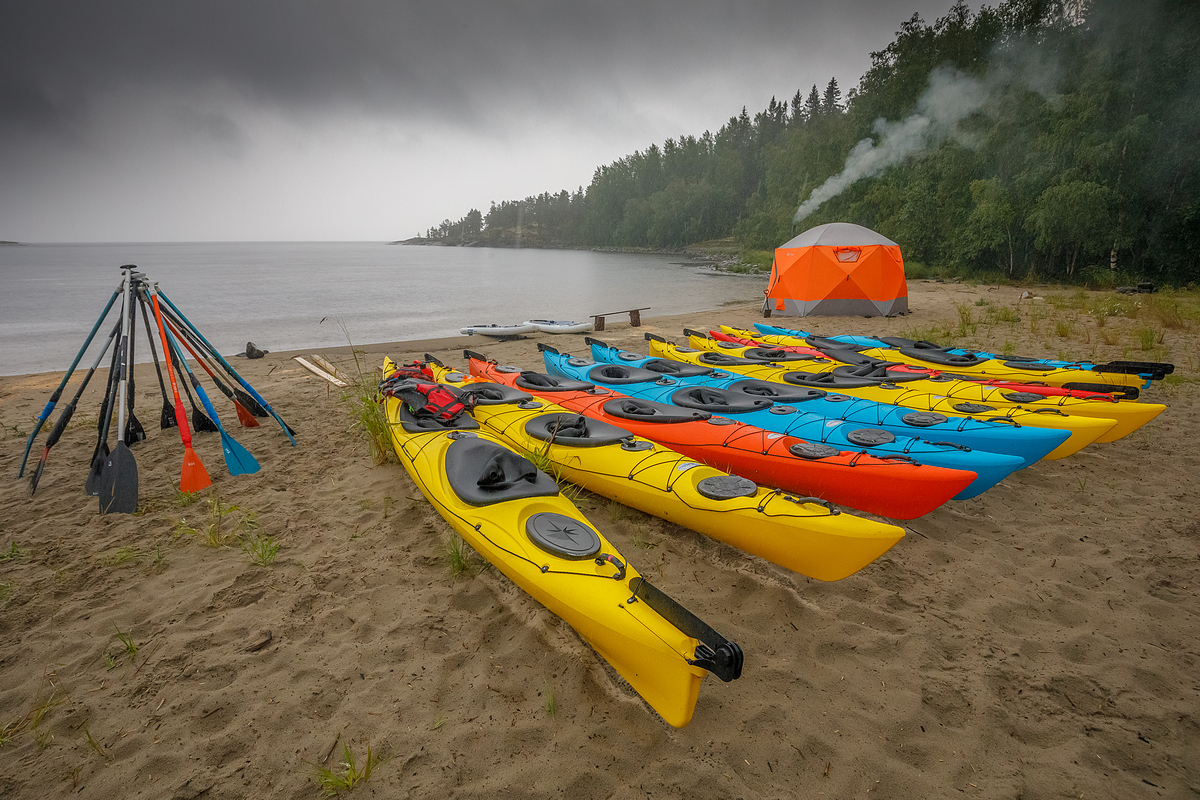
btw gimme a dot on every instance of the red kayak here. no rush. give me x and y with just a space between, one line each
895 487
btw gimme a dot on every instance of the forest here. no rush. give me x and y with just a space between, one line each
1037 140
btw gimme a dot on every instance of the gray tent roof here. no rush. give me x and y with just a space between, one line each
837 234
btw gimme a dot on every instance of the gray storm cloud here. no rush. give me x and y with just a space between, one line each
950 98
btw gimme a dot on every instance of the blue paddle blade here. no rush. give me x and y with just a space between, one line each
237 458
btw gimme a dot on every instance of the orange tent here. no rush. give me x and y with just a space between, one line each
839 269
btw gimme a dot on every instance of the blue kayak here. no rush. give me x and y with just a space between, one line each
1027 443
764 413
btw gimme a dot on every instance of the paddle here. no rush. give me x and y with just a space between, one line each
119 475
201 423
244 417
233 373
65 417
58 392
237 458
134 432
167 420
189 334
92 484
193 477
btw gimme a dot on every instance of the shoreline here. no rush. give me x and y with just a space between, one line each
1038 640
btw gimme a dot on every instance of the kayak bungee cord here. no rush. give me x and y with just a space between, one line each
70 370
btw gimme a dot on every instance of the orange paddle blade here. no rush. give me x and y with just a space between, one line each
194 477
245 417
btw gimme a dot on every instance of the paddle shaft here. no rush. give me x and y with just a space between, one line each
180 415
70 370
231 370
153 349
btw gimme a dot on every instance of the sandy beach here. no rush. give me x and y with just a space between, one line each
1041 640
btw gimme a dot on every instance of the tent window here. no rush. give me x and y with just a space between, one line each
846 254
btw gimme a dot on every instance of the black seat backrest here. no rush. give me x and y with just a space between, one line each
676 369
621 374
723 360
942 358
778 392
635 409
495 394
574 430
540 382
719 401
482 472
880 373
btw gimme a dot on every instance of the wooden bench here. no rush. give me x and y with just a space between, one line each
635 317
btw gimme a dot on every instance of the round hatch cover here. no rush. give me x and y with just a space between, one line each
870 437
562 536
1023 397
813 450
972 408
923 419
727 487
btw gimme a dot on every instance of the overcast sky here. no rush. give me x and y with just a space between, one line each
242 120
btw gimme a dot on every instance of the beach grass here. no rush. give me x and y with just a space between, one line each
347 775
260 550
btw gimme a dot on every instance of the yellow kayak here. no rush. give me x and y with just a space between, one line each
1083 430
514 516
1127 415
806 535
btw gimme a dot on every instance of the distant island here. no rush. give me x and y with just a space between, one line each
952 145
18 244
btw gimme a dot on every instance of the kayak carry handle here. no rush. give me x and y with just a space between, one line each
715 653
654 337
605 558
545 348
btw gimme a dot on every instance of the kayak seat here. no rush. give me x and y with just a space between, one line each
676 369
719 401
632 408
722 360
482 472
941 357
828 380
620 374
772 354
822 343
414 424
779 392
574 430
495 394
877 372
541 382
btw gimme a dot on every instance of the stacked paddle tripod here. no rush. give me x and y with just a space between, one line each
113 474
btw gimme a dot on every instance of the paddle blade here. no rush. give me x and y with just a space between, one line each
92 484
194 477
168 417
237 458
134 432
37 472
245 417
250 403
201 423
119 482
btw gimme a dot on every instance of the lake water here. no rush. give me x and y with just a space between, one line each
292 295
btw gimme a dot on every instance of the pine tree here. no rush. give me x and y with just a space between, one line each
831 103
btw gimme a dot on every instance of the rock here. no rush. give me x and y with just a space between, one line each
254 352
1147 288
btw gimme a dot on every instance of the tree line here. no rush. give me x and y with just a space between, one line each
1080 158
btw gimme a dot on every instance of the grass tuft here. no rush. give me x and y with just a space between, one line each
126 640
347 775
551 701
261 550
13 553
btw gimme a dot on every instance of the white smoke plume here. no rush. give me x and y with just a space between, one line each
950 98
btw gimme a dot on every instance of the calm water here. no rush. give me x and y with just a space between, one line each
291 295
